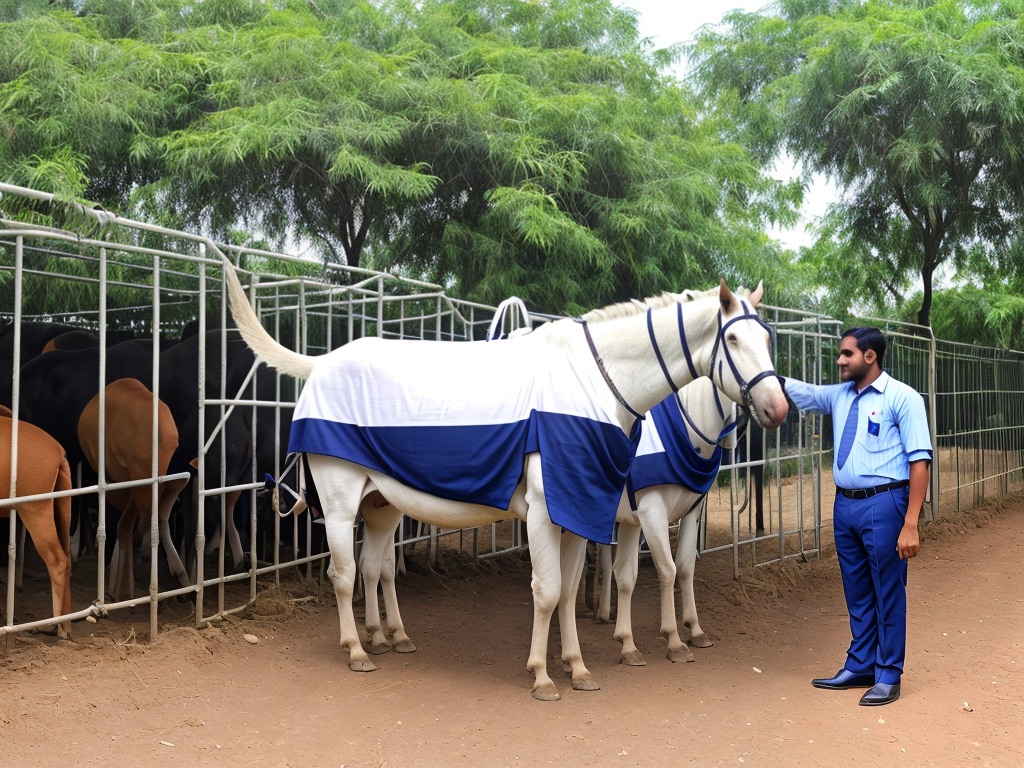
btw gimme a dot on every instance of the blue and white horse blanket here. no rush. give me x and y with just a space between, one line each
666 456
457 419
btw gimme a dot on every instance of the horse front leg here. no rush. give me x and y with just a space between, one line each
573 556
340 487
654 518
627 555
686 561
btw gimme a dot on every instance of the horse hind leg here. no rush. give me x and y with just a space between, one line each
572 557
626 566
686 561
376 566
400 641
340 487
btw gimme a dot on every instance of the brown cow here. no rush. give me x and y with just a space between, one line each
128 454
42 468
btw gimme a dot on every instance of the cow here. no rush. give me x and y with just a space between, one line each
128 455
42 468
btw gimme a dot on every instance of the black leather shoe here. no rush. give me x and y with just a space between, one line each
844 679
881 693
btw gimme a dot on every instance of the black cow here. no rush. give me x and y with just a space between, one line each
57 386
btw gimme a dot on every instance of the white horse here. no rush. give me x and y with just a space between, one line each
564 385
662 496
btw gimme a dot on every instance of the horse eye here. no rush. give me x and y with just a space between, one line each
732 338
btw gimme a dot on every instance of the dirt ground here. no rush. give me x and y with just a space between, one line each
209 697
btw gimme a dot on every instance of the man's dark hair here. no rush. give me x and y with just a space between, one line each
868 338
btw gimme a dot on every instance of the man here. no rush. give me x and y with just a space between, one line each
881 468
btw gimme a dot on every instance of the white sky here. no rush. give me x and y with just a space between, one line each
668 22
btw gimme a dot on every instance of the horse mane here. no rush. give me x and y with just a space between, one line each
636 306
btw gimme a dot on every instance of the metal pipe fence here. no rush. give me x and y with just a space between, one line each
112 275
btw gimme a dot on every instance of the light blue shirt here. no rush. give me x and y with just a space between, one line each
892 428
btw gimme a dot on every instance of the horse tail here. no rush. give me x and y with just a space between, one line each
263 345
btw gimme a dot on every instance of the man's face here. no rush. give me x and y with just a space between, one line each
854 365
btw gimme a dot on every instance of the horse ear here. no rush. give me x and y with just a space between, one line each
726 297
757 294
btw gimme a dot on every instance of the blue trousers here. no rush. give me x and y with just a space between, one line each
874 581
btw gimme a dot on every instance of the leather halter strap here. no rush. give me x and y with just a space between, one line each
682 342
604 371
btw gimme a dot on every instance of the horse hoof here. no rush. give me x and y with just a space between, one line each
377 649
701 641
680 654
362 665
633 659
405 646
585 684
545 693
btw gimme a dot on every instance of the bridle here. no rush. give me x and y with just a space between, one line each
745 386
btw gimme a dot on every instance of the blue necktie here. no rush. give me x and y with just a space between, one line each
849 432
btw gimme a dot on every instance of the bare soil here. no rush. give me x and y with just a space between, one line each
193 697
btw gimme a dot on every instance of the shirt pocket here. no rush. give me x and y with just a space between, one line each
882 434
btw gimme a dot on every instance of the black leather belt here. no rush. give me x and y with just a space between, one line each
867 493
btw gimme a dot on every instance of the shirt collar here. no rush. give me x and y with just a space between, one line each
879 384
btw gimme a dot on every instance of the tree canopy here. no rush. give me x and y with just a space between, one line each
494 146
914 108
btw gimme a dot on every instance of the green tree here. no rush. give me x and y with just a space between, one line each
492 146
915 109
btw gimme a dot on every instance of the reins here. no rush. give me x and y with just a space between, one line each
729 426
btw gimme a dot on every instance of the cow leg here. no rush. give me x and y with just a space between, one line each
38 519
19 560
234 540
169 493
627 556
62 523
686 560
123 572
340 486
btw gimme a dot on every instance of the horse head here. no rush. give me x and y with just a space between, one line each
741 363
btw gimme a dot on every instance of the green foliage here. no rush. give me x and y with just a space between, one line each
492 146
990 316
914 109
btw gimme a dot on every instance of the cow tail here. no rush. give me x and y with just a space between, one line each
263 345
